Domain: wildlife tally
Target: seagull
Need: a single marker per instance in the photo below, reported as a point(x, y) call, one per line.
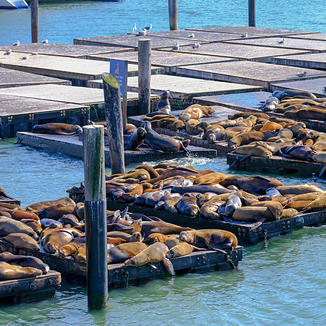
point(23, 58)
point(134, 29)
point(282, 41)
point(7, 52)
point(196, 46)
point(141, 33)
point(16, 43)
point(303, 74)
point(176, 47)
point(148, 27)
point(45, 41)
point(244, 35)
point(191, 35)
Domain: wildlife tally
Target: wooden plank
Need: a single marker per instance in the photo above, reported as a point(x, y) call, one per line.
point(252, 31)
point(317, 36)
point(238, 51)
point(30, 289)
point(14, 78)
point(286, 43)
point(131, 41)
point(121, 276)
point(169, 60)
point(275, 164)
point(65, 50)
point(247, 72)
point(71, 145)
point(311, 61)
point(74, 69)
point(316, 86)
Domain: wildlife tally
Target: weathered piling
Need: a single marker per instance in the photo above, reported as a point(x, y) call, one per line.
point(95, 215)
point(173, 15)
point(252, 12)
point(144, 76)
point(34, 20)
point(113, 116)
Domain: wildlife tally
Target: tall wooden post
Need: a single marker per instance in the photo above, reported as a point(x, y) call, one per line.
point(144, 76)
point(252, 12)
point(95, 216)
point(113, 116)
point(173, 15)
point(34, 20)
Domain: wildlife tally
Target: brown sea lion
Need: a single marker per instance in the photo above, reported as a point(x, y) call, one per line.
point(298, 189)
point(210, 238)
point(299, 205)
point(182, 249)
point(298, 152)
point(202, 188)
point(254, 214)
point(246, 138)
point(12, 272)
point(275, 207)
point(187, 205)
point(38, 207)
point(211, 207)
point(56, 238)
point(8, 226)
point(35, 225)
point(253, 150)
point(136, 236)
point(173, 240)
point(57, 128)
point(70, 248)
point(193, 128)
point(316, 205)
point(149, 227)
point(156, 237)
point(25, 261)
point(196, 111)
point(169, 122)
point(80, 255)
point(247, 114)
point(136, 139)
point(293, 93)
point(163, 143)
point(155, 253)
point(169, 204)
point(270, 104)
point(213, 177)
point(21, 214)
point(124, 251)
point(205, 197)
point(288, 213)
point(22, 241)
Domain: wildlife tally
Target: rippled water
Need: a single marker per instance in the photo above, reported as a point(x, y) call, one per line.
point(283, 283)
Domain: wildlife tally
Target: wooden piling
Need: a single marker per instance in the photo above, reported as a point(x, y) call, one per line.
point(34, 20)
point(252, 12)
point(144, 76)
point(113, 116)
point(95, 216)
point(173, 15)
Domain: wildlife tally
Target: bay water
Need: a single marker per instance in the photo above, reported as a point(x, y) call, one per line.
point(284, 283)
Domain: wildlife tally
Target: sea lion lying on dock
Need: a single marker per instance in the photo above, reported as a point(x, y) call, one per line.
point(57, 128)
point(196, 111)
point(12, 272)
point(124, 251)
point(22, 241)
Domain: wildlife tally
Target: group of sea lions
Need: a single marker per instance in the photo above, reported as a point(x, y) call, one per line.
point(211, 195)
point(58, 227)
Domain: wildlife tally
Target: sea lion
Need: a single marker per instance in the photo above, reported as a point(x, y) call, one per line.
point(168, 122)
point(182, 249)
point(288, 213)
point(169, 204)
point(50, 223)
point(316, 205)
point(19, 215)
point(193, 128)
point(8, 226)
point(232, 203)
point(247, 114)
point(24, 261)
point(155, 253)
point(246, 138)
point(56, 238)
point(253, 150)
point(136, 139)
point(270, 104)
point(298, 189)
point(187, 205)
point(210, 238)
point(57, 128)
point(156, 237)
point(196, 111)
point(275, 207)
point(149, 227)
point(22, 241)
point(213, 177)
point(298, 152)
point(210, 209)
point(293, 93)
point(69, 220)
point(163, 104)
point(163, 143)
point(254, 214)
point(70, 248)
point(124, 251)
point(136, 236)
point(202, 188)
point(12, 272)
point(80, 255)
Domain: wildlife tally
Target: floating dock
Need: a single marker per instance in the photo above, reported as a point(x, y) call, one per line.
point(121, 276)
point(30, 289)
point(71, 145)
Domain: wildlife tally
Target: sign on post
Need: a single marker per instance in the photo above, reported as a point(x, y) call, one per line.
point(119, 69)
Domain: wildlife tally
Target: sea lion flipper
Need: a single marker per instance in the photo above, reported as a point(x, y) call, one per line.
point(322, 171)
point(168, 266)
point(197, 248)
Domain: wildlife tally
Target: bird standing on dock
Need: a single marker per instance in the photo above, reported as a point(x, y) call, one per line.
point(196, 46)
point(304, 74)
point(16, 43)
point(282, 41)
point(134, 29)
point(244, 35)
point(45, 41)
point(191, 35)
point(176, 47)
point(8, 52)
point(147, 28)
point(141, 33)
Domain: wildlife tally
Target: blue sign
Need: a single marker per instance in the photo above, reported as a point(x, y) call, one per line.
point(119, 70)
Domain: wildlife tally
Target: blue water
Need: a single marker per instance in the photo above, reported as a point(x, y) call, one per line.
point(62, 22)
point(284, 283)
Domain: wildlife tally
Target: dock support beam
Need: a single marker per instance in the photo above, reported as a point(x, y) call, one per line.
point(34, 20)
point(113, 116)
point(144, 76)
point(252, 12)
point(95, 216)
point(173, 15)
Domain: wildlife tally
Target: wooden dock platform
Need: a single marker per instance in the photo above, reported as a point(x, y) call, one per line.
point(30, 289)
point(246, 232)
point(71, 145)
point(275, 164)
point(311, 61)
point(317, 36)
point(121, 276)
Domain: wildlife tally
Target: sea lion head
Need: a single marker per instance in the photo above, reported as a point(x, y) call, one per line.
point(136, 237)
point(186, 236)
point(141, 132)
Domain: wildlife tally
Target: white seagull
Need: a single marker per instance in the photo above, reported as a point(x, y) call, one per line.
point(134, 29)
point(303, 74)
point(45, 41)
point(7, 52)
point(16, 43)
point(282, 41)
point(244, 35)
point(141, 33)
point(191, 35)
point(148, 27)
point(196, 46)
point(176, 47)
